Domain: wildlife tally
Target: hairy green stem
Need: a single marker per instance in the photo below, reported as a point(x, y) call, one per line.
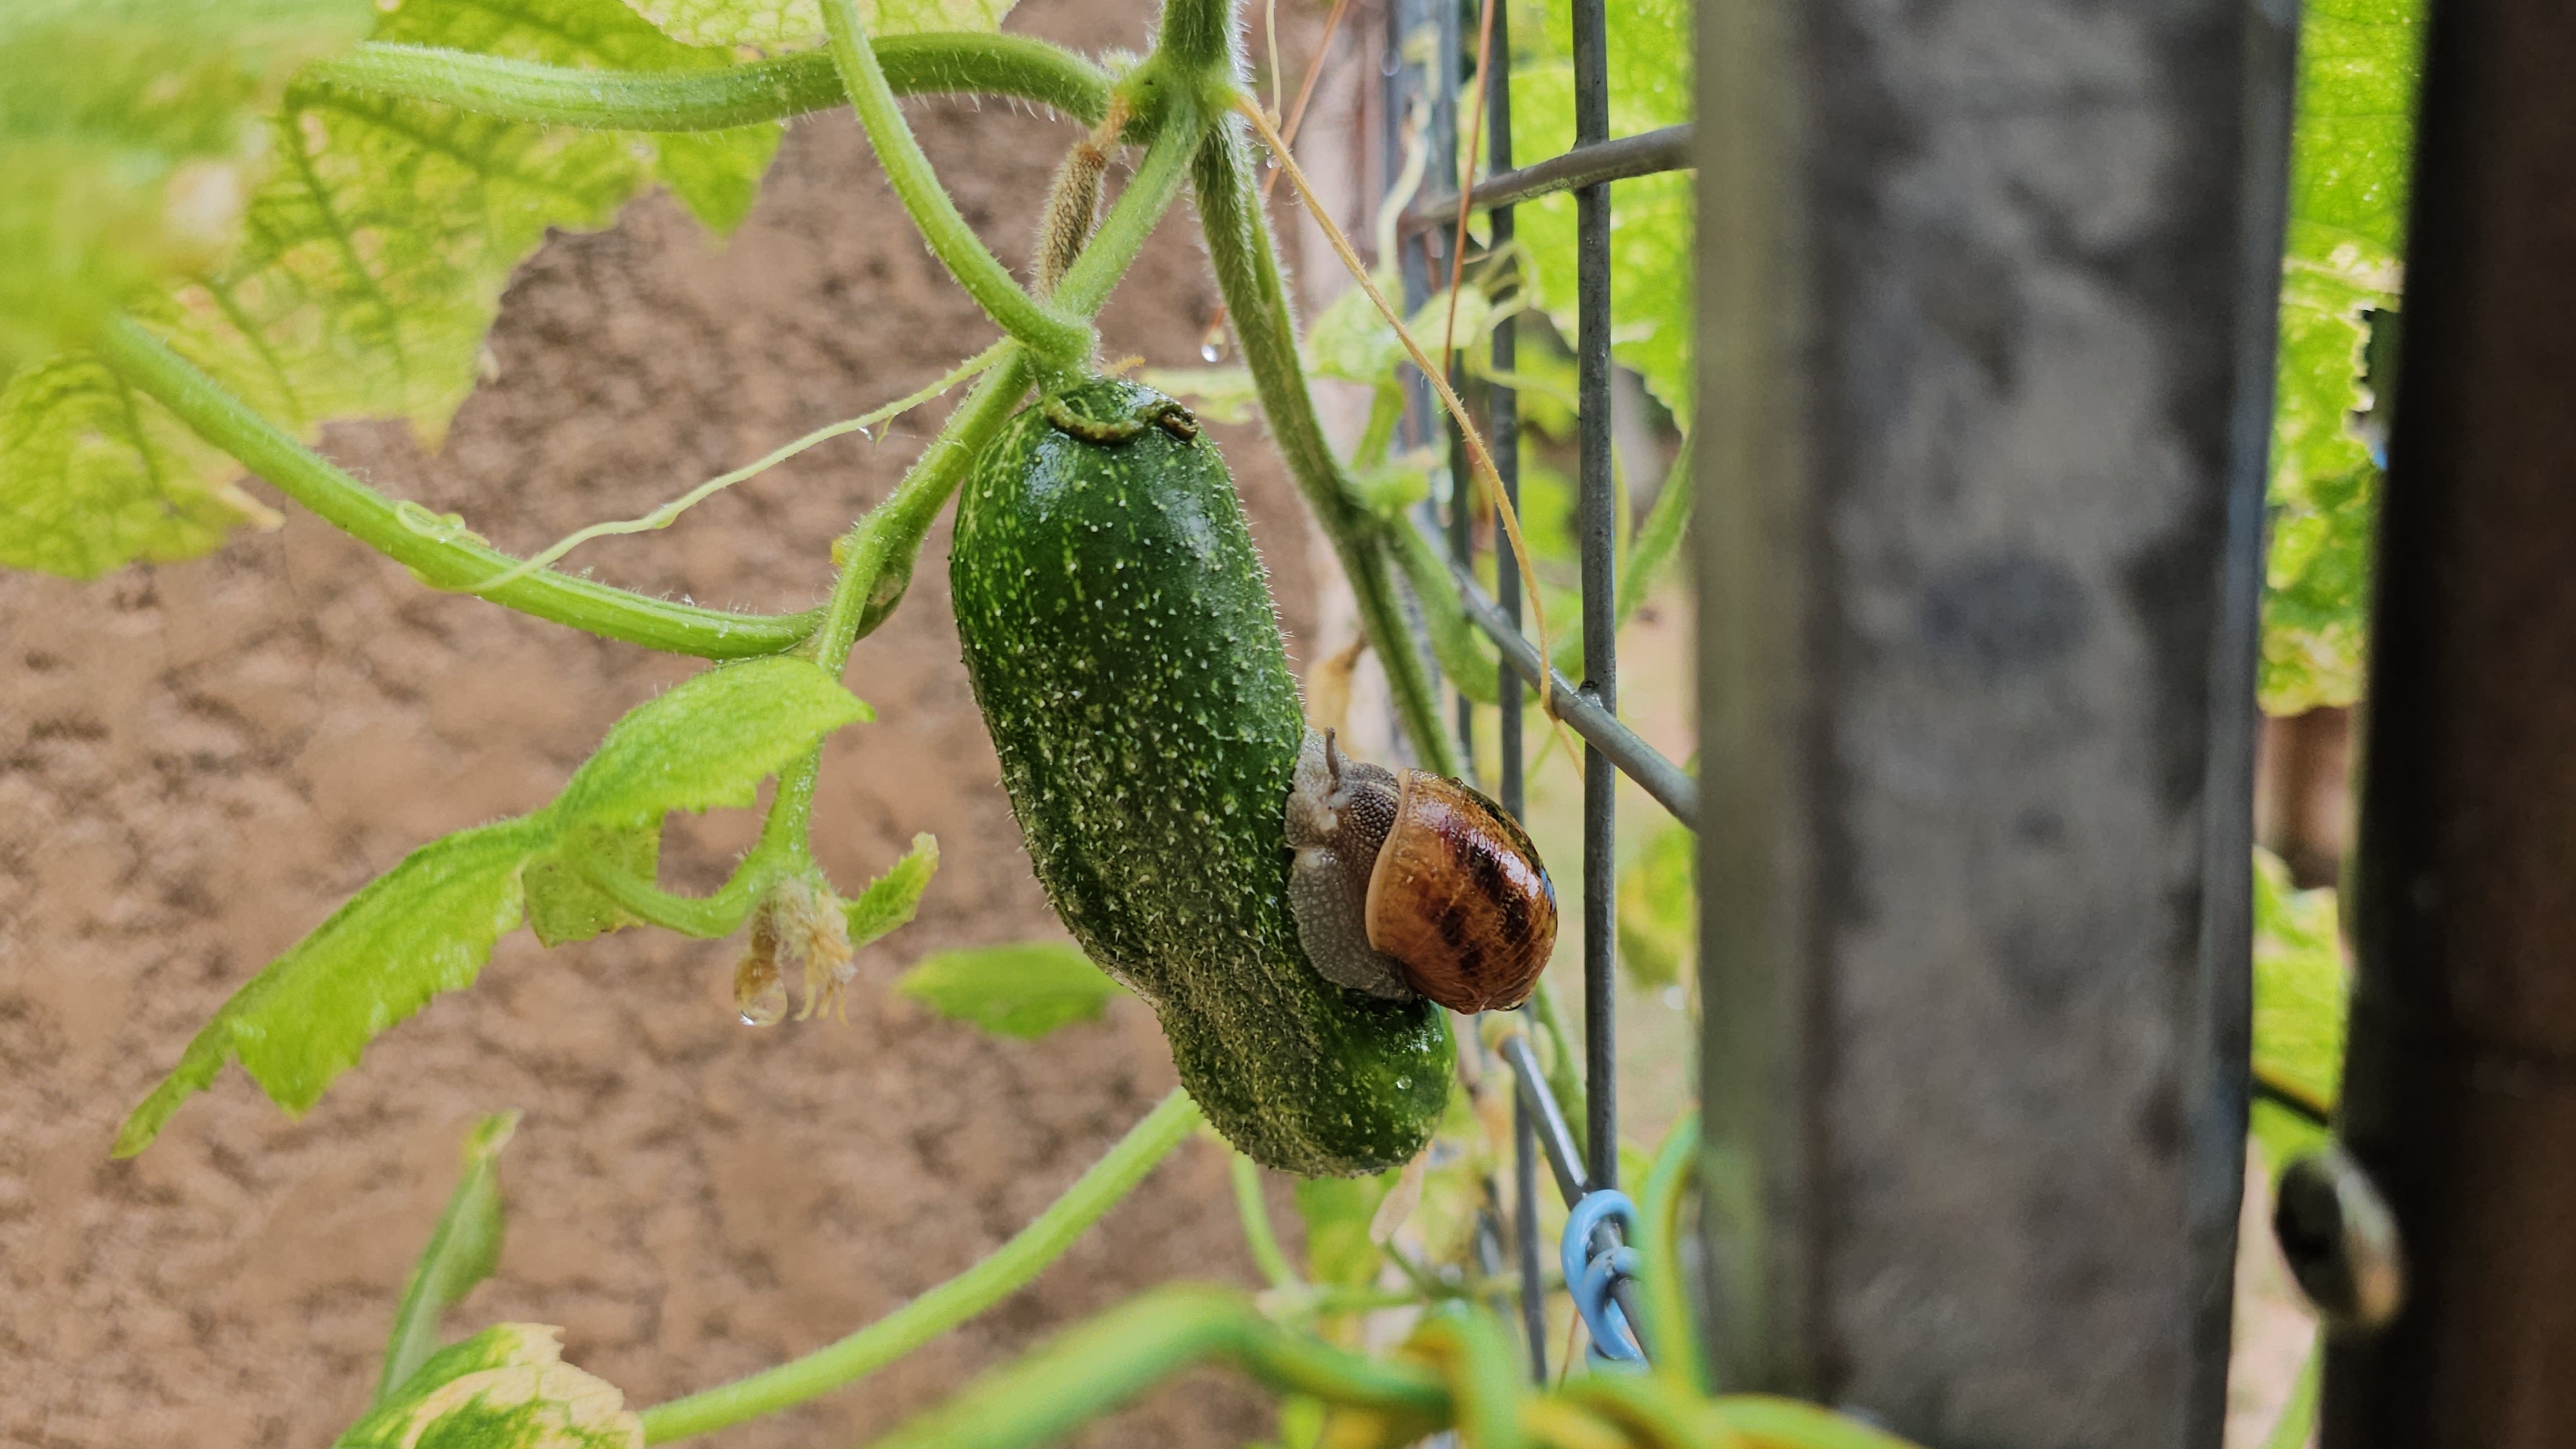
point(1257, 1232)
point(951, 1303)
point(1256, 301)
point(879, 553)
point(1461, 651)
point(712, 100)
point(442, 559)
point(701, 917)
point(1057, 339)
point(1199, 36)
point(1140, 207)
point(1101, 1364)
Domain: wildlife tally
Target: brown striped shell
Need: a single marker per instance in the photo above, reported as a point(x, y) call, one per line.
point(1407, 883)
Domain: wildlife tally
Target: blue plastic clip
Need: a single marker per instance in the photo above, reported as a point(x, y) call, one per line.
point(1590, 1279)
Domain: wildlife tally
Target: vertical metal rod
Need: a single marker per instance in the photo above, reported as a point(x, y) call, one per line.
point(1596, 525)
point(1503, 422)
point(1525, 1233)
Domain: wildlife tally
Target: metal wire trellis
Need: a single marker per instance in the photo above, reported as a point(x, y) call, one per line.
point(1589, 708)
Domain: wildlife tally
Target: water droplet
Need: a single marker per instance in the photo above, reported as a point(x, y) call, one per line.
point(1210, 352)
point(758, 995)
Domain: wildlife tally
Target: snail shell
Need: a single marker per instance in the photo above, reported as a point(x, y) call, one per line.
point(1410, 884)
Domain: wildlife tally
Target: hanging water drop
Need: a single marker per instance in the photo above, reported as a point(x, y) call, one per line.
point(758, 995)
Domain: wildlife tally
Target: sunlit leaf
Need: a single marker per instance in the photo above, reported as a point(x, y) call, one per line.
point(891, 899)
point(2359, 65)
point(93, 475)
point(383, 242)
point(2301, 986)
point(463, 1250)
point(1650, 240)
point(795, 24)
point(505, 1388)
point(130, 136)
point(372, 260)
point(1022, 990)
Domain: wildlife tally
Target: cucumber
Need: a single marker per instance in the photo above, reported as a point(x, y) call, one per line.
point(1125, 651)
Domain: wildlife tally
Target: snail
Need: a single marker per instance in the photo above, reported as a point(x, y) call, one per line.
point(1411, 884)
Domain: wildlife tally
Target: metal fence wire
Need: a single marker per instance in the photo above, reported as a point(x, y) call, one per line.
point(1428, 44)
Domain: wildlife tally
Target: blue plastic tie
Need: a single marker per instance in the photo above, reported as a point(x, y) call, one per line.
point(1590, 1278)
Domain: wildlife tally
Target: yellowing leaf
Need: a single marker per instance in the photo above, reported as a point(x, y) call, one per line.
point(505, 1388)
point(130, 140)
point(372, 264)
point(1023, 990)
point(381, 245)
point(93, 474)
point(775, 25)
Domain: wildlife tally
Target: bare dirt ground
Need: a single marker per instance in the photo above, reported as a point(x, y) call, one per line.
point(197, 762)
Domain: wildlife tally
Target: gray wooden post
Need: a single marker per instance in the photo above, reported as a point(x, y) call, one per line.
point(1985, 376)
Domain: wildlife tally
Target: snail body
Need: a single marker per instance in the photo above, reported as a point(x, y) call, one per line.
point(1410, 884)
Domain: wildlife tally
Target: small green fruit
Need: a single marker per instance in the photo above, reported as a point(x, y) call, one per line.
point(1126, 653)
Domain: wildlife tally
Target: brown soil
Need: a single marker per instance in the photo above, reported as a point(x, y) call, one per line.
point(197, 762)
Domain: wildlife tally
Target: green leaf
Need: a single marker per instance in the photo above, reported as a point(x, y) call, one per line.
point(794, 24)
point(375, 255)
point(2300, 1000)
point(424, 927)
point(93, 475)
point(1650, 238)
point(1659, 907)
point(890, 900)
point(1023, 990)
point(562, 903)
point(429, 924)
point(129, 133)
point(463, 1250)
point(382, 244)
point(708, 743)
point(505, 1388)
point(1340, 1253)
point(2351, 148)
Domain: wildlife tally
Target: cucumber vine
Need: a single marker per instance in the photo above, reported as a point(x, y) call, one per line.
point(140, 385)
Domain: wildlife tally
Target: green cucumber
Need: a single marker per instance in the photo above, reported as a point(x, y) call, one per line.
point(1125, 650)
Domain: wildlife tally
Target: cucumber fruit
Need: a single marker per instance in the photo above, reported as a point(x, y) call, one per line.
point(1125, 651)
